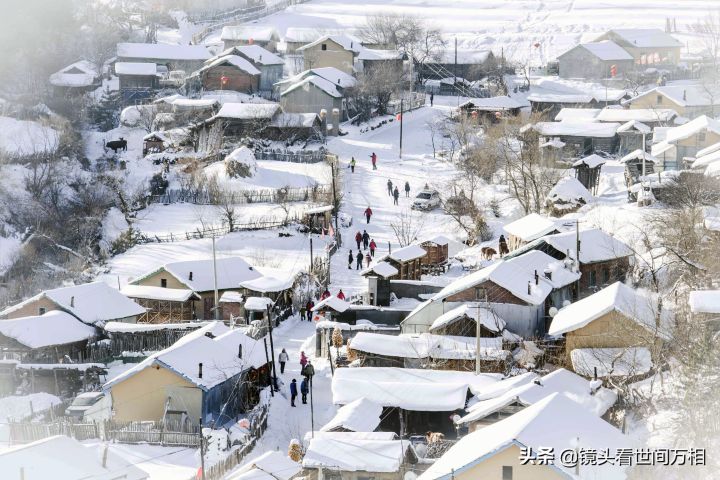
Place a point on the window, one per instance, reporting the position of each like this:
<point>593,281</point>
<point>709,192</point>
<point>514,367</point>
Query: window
<point>481,293</point>
<point>42,310</point>
<point>163,282</point>
<point>659,100</point>
<point>593,278</point>
<point>507,473</point>
<point>324,46</point>
<point>701,136</point>
<point>606,275</point>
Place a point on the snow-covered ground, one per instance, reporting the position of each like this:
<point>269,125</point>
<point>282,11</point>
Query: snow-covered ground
<point>25,137</point>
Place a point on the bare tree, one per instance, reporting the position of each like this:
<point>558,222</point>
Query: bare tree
<point>406,227</point>
<point>708,30</point>
<point>227,208</point>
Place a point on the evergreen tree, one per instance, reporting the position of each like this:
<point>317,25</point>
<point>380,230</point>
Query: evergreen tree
<point>105,114</point>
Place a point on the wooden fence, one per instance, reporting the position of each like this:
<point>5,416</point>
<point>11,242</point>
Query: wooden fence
<point>302,156</point>
<point>320,193</point>
<point>26,432</point>
<point>209,232</point>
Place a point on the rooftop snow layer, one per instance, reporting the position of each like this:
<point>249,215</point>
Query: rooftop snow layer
<point>332,302</point>
<point>383,269</point>
<point>530,227</point>
<point>160,51</point>
<point>248,111</point>
<point>347,43</point>
<point>268,283</point>
<point>488,318</point>
<point>592,161</point>
<point>704,301</point>
<point>317,81</point>
<point>135,69</point>
<point>634,125</point>
<point>611,362</point>
<point>361,415</point>
<point>649,115</point>
<point>372,54</point>
<point>491,103</point>
<point>607,50</point>
<point>258,304</point>
<point>703,123</point>
<point>577,129</point>
<point>52,328</point>
<point>257,54</point>
<point>647,37</point>
<point>427,345</point>
<point>122,327</point>
<point>258,33</point>
<point>78,74</point>
<point>271,465</point>
<point>595,245</point>
<point>235,60</point>
<point>198,275</point>
<point>559,98</point>
<point>684,95</point>
<point>577,115</point>
<point>355,455</point>
<point>638,155</point>
<point>158,293</point>
<point>406,254</point>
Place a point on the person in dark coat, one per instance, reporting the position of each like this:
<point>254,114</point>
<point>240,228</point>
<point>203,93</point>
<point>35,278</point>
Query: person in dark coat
<point>310,306</point>
<point>368,259</point>
<point>351,257</point>
<point>373,246</point>
<point>502,246</point>
<point>396,195</point>
<point>432,98</point>
<point>368,214</point>
<point>359,260</point>
<point>358,238</point>
<point>366,239</point>
<point>407,189</point>
<point>308,370</point>
<point>304,390</point>
<point>293,392</point>
<point>389,185</point>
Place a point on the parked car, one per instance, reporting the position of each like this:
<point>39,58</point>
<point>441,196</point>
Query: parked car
<point>82,403</point>
<point>426,200</point>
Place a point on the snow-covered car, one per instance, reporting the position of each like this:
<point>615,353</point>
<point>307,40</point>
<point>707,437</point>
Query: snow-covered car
<point>426,200</point>
<point>82,403</point>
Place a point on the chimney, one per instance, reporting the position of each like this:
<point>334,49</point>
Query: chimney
<point>548,274</point>
<point>240,351</point>
<point>200,370</point>
<point>529,288</point>
<point>537,278</point>
<point>335,122</point>
<point>684,95</point>
<point>72,301</point>
<point>190,276</point>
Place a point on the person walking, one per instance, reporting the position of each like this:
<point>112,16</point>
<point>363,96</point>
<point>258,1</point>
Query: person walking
<point>368,214</point>
<point>373,246</point>
<point>283,358</point>
<point>396,195</point>
<point>502,246</point>
<point>308,370</point>
<point>373,159</point>
<point>352,165</point>
<point>389,185</point>
<point>368,259</point>
<point>303,359</point>
<point>325,294</point>
<point>407,189</point>
<point>351,257</point>
<point>341,295</point>
<point>432,98</point>
<point>304,390</point>
<point>358,237</point>
<point>293,392</point>
<point>359,259</point>
<point>310,306</point>
<point>366,239</point>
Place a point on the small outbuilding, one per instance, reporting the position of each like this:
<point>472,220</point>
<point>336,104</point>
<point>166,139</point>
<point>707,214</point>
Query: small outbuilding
<point>587,171</point>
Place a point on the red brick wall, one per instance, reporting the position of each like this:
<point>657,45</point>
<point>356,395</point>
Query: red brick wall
<point>615,269</point>
<point>239,81</point>
<point>496,294</point>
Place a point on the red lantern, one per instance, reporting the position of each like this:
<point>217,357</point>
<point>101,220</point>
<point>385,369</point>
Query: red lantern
<point>224,80</point>
<point>250,41</point>
<point>498,115</point>
<point>613,70</point>
<point>398,117</point>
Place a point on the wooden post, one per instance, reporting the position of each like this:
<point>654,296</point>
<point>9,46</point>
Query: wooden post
<point>202,453</point>
<point>272,387</point>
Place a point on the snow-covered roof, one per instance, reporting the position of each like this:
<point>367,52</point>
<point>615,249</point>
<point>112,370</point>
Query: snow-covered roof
<point>218,352</point>
<point>269,283</point>
<point>78,74</point>
<point>514,275</point>
<point>684,95</point>
<point>408,388</point>
<point>355,455</point>
<point>256,54</point>
<point>234,60</point>
<point>634,125</point>
<point>568,189</point>
<point>715,147</point>
<point>309,34</point>
<point>135,69</point>
<point>161,51</point>
<point>647,37</point>
<point>530,227</point>
<point>611,362</point>
<point>258,303</point>
<point>556,422</point>
<point>194,103</point>
<point>271,465</point>
<point>554,143</point>
<point>325,85</point>
<point>62,457</point>
<point>247,111</point>
<point>592,161</point>
<point>491,103</point>
<point>503,386</point>
<point>295,120</point>
<point>261,33</point>
<point>488,318</point>
<point>122,327</point>
<point>649,115</point>
<point>703,123</point>
<point>331,74</point>
<point>92,303</point>
<point>372,54</point>
<point>637,305</point>
<point>577,115</point>
<point>704,301</point>
<point>436,239</point>
<point>52,328</point>
<point>332,302</point>
<point>406,254</point>
<point>707,159</point>
<point>577,129</point>
<point>607,50</point>
<point>595,245</point>
<point>158,293</point>
<point>361,415</point>
<point>427,345</point>
<point>174,136</point>
<point>347,43</point>
<point>383,269</point>
<point>638,155</point>
<point>230,272</point>
<point>560,98</point>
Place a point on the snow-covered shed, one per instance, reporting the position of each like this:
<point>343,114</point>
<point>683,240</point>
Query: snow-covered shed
<point>581,138</point>
<point>163,305</point>
<point>551,103</point>
<point>198,276</point>
<point>490,108</point>
<point>228,72</point>
<point>528,228</point>
<point>587,171</point>
<point>240,119</point>
<point>196,378</point>
<point>617,316</point>
<point>463,321</point>
<point>47,337</point>
<point>407,261</point>
<point>64,458</point>
<point>265,36</point>
<point>567,196</point>
<point>361,415</point>
<point>271,465</point>
<point>79,77</point>
<point>595,60</point>
<point>92,303</point>
<point>555,422</point>
<point>268,64</point>
<point>513,394</point>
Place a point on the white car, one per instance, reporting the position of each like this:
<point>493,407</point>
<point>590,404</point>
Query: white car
<point>84,404</point>
<point>426,200</point>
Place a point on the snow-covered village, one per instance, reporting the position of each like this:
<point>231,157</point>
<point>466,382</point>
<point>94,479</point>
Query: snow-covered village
<point>359,240</point>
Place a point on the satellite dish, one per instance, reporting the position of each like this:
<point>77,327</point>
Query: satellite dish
<point>553,311</point>
<point>566,303</point>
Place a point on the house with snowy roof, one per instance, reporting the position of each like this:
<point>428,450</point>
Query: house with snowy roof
<point>172,57</point>
<point>513,394</point>
<point>209,375</point>
<point>265,36</point>
<point>337,51</point>
<point>197,277</point>
<point>227,72</point>
<point>238,119</point>
<point>316,90</point>
<point>603,258</point>
<point>271,465</point>
<point>267,63</point>
<point>361,415</point>
<point>613,331</point>
<point>407,261</point>
<point>528,228</point>
<point>649,47</point>
<point>77,78</point>
<point>705,306</point>
<point>373,61</point>
<point>92,303</point>
<point>580,138</point>
<point>681,144</point>
<point>469,64</point>
<point>587,171</point>
<point>595,60</point>
<point>555,422</point>
<point>689,101</point>
<point>519,290</point>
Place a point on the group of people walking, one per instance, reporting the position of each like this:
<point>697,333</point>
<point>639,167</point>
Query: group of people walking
<point>307,371</point>
<point>395,192</point>
<point>373,160</point>
<point>367,243</point>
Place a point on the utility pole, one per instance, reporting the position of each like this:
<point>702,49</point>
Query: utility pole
<point>457,94</point>
<point>202,452</point>
<point>215,285</point>
<point>401,125</point>
<point>643,154</point>
<point>272,348</point>
<point>267,358</point>
<point>311,255</point>
<point>312,410</point>
<point>335,203</point>
<point>577,254</point>
<point>477,341</point>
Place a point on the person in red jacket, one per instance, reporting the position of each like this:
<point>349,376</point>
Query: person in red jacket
<point>368,214</point>
<point>325,294</point>
<point>373,158</point>
<point>358,238</point>
<point>341,295</point>
<point>373,246</point>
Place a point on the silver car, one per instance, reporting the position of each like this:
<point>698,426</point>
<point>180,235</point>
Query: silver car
<point>426,200</point>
